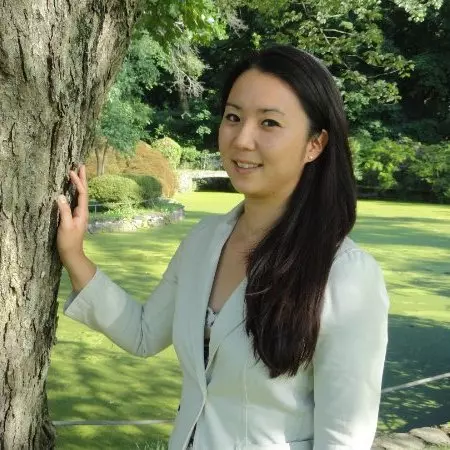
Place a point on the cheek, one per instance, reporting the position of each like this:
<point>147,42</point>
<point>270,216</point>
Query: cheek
<point>284,158</point>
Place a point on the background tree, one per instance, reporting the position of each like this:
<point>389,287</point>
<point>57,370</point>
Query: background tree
<point>125,117</point>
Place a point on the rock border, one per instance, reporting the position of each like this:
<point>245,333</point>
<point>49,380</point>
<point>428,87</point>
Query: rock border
<point>154,219</point>
<point>417,438</point>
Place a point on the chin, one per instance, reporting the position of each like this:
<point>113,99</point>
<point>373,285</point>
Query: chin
<point>248,191</point>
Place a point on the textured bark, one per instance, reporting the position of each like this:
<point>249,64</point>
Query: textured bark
<point>57,60</point>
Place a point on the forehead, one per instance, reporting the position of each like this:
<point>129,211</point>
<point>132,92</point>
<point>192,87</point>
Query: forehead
<point>257,90</point>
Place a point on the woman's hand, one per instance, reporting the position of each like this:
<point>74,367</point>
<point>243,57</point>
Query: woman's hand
<point>73,226</point>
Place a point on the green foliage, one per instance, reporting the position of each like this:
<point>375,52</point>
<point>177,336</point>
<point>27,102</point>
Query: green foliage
<point>170,20</point>
<point>180,53</point>
<point>405,168</point>
<point>190,158</point>
<point>355,147</point>
<point>123,121</point>
<point>111,189</point>
<point>142,66</point>
<point>214,185</point>
<point>347,37</point>
<point>194,127</point>
<point>424,112</point>
<point>417,9</point>
<point>125,117</point>
<point>433,166</point>
<point>151,188</point>
<point>170,149</point>
<point>382,159</point>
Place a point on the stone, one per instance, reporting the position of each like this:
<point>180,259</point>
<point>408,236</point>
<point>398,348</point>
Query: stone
<point>446,428</point>
<point>430,435</point>
<point>399,441</point>
<point>149,220</point>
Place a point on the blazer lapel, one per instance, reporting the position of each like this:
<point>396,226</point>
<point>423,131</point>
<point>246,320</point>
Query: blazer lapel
<point>207,271</point>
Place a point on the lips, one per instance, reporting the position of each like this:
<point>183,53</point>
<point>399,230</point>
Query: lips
<point>246,164</point>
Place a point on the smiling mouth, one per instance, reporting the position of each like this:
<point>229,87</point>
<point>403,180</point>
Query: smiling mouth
<point>246,165</point>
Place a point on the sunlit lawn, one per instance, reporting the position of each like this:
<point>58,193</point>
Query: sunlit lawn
<point>91,379</point>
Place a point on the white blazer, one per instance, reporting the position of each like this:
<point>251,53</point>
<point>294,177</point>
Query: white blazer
<point>331,406</point>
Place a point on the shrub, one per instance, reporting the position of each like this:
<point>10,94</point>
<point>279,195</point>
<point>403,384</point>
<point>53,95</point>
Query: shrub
<point>150,187</point>
<point>112,189</point>
<point>190,158</point>
<point>210,161</point>
<point>432,165</point>
<point>214,185</point>
<point>170,149</point>
<point>148,161</point>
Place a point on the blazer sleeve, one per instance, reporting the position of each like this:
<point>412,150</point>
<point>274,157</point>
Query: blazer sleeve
<point>141,329</point>
<point>350,353</point>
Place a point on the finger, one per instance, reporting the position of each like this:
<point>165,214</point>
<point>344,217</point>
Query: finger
<point>82,209</point>
<point>76,180</point>
<point>83,177</point>
<point>64,211</point>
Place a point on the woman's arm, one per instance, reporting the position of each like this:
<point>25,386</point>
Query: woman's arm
<point>350,354</point>
<point>141,329</point>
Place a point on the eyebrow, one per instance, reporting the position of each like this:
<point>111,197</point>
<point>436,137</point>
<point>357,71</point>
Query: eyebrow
<point>264,110</point>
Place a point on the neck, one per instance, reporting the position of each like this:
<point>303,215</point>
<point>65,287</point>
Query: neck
<point>258,217</point>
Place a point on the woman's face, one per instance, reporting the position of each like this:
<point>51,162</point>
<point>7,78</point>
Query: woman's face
<point>264,137</point>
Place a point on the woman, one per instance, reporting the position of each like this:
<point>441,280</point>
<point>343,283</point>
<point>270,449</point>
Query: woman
<point>293,315</point>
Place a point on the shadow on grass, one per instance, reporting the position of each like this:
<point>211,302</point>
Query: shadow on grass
<point>111,438</point>
<point>415,250</point>
<point>92,383</point>
<point>418,348</point>
<point>112,383</point>
<point>407,231</point>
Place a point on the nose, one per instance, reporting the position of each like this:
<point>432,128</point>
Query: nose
<point>245,139</point>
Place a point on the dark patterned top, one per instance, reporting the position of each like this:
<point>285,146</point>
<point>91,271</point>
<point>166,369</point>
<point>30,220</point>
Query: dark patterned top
<point>209,322</point>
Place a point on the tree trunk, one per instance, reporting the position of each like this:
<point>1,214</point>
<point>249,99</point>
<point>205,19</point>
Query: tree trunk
<point>184,103</point>
<point>105,151</point>
<point>100,148</point>
<point>97,160</point>
<point>57,61</point>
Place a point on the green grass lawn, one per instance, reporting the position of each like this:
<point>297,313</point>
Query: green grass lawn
<point>91,379</point>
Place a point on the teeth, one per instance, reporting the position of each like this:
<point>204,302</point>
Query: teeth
<point>246,166</point>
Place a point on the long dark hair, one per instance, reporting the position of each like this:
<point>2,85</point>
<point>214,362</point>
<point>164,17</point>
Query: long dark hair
<point>288,270</point>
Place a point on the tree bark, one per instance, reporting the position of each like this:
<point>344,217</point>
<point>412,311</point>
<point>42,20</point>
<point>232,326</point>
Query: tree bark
<point>57,61</point>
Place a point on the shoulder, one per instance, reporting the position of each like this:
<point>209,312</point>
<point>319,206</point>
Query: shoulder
<point>356,288</point>
<point>352,262</point>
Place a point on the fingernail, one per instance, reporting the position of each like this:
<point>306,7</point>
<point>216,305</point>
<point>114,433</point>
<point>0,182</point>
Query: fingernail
<point>62,199</point>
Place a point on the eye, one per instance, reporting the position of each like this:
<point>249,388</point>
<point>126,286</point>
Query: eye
<point>270,123</point>
<point>232,117</point>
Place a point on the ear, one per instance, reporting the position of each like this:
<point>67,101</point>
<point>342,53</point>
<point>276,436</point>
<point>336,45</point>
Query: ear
<point>315,146</point>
